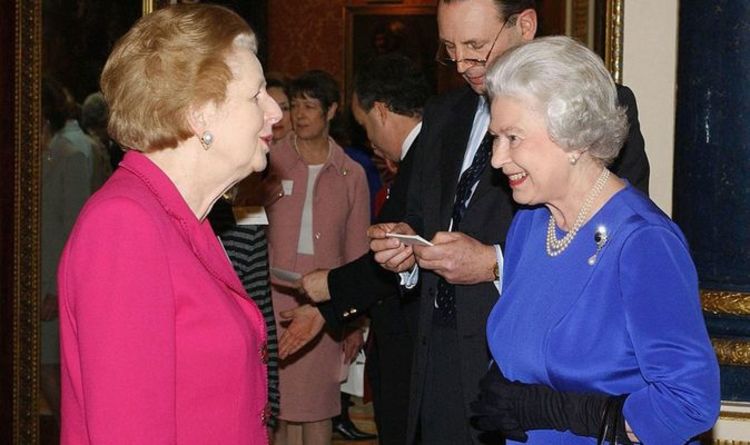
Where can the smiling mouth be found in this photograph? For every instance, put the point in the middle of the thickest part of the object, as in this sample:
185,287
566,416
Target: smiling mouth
516,178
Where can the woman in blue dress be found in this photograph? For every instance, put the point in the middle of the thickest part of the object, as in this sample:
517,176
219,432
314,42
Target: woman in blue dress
599,323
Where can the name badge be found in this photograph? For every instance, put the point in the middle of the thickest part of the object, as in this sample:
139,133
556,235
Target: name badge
287,185
250,216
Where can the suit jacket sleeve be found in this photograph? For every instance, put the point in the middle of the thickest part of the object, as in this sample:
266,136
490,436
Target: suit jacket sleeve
632,163
116,289
356,286
356,242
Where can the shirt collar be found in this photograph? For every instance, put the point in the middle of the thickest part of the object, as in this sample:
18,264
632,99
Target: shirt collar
410,139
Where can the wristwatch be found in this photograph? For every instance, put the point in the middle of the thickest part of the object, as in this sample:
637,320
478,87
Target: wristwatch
496,271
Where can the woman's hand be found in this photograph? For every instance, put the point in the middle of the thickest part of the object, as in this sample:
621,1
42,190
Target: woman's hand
305,323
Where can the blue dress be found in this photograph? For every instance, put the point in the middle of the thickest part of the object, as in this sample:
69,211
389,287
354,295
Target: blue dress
631,323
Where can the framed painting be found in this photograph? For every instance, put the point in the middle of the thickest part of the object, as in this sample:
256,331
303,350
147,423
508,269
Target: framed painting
378,29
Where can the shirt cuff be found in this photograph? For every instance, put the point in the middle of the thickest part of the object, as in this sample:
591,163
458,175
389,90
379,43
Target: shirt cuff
499,256
410,278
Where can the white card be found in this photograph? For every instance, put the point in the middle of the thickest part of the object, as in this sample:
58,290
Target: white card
287,185
250,216
410,240
285,275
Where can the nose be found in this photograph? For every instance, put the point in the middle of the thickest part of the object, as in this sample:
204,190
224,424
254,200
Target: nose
273,113
500,152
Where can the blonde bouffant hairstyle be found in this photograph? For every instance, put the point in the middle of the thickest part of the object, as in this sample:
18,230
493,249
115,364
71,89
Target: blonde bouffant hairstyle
170,61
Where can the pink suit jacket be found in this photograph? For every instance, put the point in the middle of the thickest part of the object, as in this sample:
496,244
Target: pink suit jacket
159,342
341,207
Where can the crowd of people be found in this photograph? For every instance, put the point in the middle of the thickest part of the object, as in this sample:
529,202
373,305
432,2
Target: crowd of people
214,286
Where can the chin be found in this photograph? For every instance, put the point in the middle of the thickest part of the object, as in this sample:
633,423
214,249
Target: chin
259,166
523,199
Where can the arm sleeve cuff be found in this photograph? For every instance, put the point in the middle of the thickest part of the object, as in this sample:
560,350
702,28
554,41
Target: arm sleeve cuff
409,279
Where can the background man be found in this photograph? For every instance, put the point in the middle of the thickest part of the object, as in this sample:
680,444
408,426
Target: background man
389,95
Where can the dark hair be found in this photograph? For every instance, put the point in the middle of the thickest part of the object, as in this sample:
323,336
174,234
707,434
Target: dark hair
507,8
55,107
316,84
275,80
396,81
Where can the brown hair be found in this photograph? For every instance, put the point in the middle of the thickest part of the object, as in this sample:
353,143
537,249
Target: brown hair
169,61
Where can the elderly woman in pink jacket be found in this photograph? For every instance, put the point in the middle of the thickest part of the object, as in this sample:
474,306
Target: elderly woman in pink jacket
318,210
160,342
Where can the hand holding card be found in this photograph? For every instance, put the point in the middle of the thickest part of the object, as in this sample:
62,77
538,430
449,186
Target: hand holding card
410,240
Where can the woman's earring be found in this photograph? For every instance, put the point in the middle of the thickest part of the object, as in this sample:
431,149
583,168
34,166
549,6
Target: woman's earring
207,138
573,159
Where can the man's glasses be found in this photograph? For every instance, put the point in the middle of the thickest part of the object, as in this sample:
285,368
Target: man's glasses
444,57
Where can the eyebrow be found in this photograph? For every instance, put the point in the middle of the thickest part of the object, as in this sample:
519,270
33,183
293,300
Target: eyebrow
467,42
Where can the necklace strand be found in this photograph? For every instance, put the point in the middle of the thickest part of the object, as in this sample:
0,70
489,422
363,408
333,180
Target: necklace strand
557,246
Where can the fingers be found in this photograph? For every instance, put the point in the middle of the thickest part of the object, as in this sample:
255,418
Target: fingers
289,343
378,231
384,244
396,260
287,315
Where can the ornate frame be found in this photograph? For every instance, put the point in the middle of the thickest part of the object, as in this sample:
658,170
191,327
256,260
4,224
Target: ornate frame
613,38
26,220
373,11
729,351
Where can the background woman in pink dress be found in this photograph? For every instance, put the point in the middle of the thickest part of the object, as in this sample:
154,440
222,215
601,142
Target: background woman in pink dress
318,206
159,341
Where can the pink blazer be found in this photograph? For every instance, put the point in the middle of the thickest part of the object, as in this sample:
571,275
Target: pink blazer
159,342
341,208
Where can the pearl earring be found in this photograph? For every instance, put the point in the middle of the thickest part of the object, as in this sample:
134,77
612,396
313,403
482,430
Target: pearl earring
207,138
573,159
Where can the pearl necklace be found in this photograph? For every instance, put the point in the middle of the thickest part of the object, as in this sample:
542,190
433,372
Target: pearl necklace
556,246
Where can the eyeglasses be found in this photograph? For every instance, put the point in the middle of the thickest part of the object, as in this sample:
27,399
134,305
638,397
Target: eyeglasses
443,56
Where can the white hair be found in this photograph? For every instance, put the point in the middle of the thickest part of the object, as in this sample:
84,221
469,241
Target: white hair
247,41
570,87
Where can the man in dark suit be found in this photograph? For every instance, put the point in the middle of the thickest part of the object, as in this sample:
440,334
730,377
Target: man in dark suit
462,206
389,95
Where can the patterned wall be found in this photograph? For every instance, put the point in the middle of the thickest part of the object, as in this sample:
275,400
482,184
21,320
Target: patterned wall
307,34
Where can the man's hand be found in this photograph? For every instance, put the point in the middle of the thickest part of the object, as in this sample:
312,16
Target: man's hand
458,258
306,323
315,285
352,343
391,253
